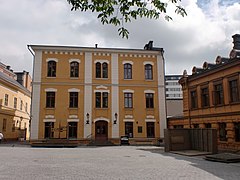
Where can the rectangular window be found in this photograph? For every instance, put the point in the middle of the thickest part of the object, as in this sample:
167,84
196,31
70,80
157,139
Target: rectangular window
98,99
50,99
149,100
208,125
195,125
218,94
129,129
127,71
205,97
15,103
193,96
139,129
178,126
237,132
21,105
72,129
26,107
128,100
48,130
150,130
222,132
4,127
13,126
73,101
6,100
105,99
233,91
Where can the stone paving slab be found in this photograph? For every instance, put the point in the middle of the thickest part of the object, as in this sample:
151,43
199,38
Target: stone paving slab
108,163
191,153
224,157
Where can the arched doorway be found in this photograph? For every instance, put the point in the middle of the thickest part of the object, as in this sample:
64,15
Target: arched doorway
101,130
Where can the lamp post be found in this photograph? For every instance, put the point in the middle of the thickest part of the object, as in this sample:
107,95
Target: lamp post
87,121
115,120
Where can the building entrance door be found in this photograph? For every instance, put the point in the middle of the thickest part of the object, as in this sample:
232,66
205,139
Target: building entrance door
101,130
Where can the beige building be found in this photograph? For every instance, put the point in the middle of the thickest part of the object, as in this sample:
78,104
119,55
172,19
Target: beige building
15,104
98,94
211,98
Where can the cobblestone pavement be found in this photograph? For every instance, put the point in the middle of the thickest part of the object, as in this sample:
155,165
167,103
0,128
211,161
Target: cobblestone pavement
111,163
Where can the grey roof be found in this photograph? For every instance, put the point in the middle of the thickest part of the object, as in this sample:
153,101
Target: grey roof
14,82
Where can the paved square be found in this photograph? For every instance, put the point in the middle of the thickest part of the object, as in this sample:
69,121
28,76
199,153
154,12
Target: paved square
111,163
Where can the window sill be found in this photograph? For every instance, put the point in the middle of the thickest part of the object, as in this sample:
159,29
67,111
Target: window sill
150,109
73,108
50,108
102,79
127,79
48,77
234,103
128,109
74,78
101,108
149,80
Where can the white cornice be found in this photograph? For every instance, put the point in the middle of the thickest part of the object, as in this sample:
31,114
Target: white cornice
128,91
148,62
50,90
74,60
51,59
149,91
101,119
73,90
101,61
127,62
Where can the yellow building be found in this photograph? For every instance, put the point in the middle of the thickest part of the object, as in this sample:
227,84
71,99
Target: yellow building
100,94
211,98
15,103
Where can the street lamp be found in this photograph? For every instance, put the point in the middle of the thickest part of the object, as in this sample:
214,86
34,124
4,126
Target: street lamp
115,120
87,121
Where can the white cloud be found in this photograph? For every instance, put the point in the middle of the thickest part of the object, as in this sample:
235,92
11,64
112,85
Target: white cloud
188,41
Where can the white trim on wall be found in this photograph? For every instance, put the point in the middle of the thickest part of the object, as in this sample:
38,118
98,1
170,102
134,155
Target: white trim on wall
128,91
73,90
128,120
148,62
101,87
51,59
127,62
72,120
149,91
49,120
74,60
101,91
150,120
101,119
50,90
101,61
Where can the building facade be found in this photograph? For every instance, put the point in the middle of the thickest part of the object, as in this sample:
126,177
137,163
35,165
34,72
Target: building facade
15,105
84,94
174,99
211,98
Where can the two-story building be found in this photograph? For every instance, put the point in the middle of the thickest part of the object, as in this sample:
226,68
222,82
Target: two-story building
211,98
15,102
101,94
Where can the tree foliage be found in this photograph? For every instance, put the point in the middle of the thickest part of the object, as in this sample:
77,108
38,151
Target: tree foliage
119,12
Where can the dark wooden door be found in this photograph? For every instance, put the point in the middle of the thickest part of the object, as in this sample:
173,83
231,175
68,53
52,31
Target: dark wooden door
101,130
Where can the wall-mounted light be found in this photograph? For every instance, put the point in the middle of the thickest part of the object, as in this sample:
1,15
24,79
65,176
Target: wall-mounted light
115,120
87,121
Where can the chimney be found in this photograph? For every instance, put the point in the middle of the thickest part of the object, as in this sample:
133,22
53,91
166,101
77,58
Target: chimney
8,67
149,46
236,42
96,45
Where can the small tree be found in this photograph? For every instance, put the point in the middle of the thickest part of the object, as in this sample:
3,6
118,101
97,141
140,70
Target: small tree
118,12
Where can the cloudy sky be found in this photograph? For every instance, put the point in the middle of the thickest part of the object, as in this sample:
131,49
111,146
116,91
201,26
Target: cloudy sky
201,36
